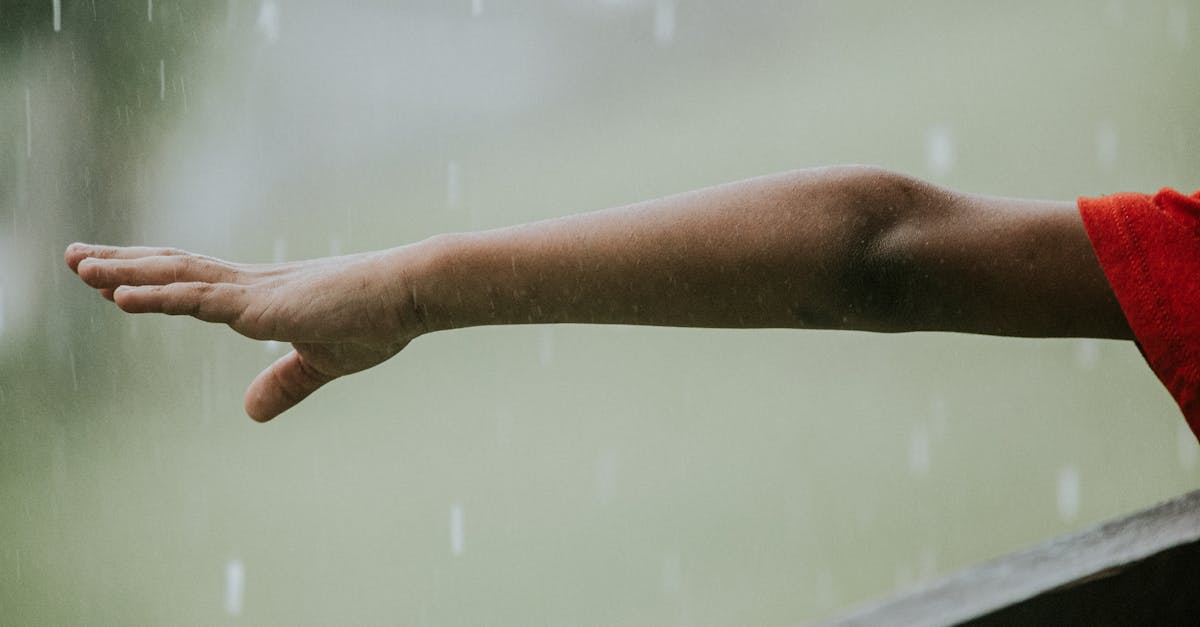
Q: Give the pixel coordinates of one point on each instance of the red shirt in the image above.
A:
(1149, 247)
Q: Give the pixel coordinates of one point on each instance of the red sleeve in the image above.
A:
(1149, 247)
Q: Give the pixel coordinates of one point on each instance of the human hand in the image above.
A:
(341, 314)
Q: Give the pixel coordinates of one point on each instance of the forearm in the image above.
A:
(776, 251)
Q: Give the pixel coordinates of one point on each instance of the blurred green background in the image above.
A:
(552, 475)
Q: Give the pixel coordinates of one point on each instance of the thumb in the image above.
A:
(283, 384)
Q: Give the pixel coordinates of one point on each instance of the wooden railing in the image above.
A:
(1143, 569)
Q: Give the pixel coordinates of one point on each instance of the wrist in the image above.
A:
(424, 285)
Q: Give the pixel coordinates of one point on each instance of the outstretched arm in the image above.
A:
(846, 247)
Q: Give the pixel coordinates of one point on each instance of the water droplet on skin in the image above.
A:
(456, 529)
(1068, 493)
(235, 582)
(939, 150)
(664, 22)
(1106, 145)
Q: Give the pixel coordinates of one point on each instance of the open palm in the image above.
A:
(339, 313)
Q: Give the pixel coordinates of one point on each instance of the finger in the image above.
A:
(153, 270)
(79, 251)
(107, 293)
(283, 384)
(210, 302)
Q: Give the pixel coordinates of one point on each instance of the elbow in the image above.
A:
(880, 209)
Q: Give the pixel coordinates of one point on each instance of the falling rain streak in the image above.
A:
(1068, 493)
(939, 150)
(28, 126)
(456, 529)
(162, 79)
(235, 583)
(453, 185)
(57, 15)
(664, 22)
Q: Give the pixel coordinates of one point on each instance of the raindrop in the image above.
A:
(1068, 493)
(74, 376)
(28, 125)
(937, 415)
(918, 452)
(149, 10)
(826, 595)
(664, 22)
(1115, 11)
(1, 310)
(183, 92)
(453, 185)
(271, 347)
(927, 566)
(1106, 145)
(268, 21)
(476, 8)
(1177, 24)
(335, 246)
(1186, 446)
(939, 150)
(235, 581)
(672, 574)
(903, 578)
(503, 427)
(279, 251)
(57, 15)
(206, 390)
(606, 475)
(1087, 354)
(456, 529)
(162, 79)
(546, 349)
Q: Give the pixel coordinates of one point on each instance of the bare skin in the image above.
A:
(846, 247)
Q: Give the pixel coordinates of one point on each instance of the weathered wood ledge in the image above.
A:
(1141, 569)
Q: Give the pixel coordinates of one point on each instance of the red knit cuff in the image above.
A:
(1149, 247)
